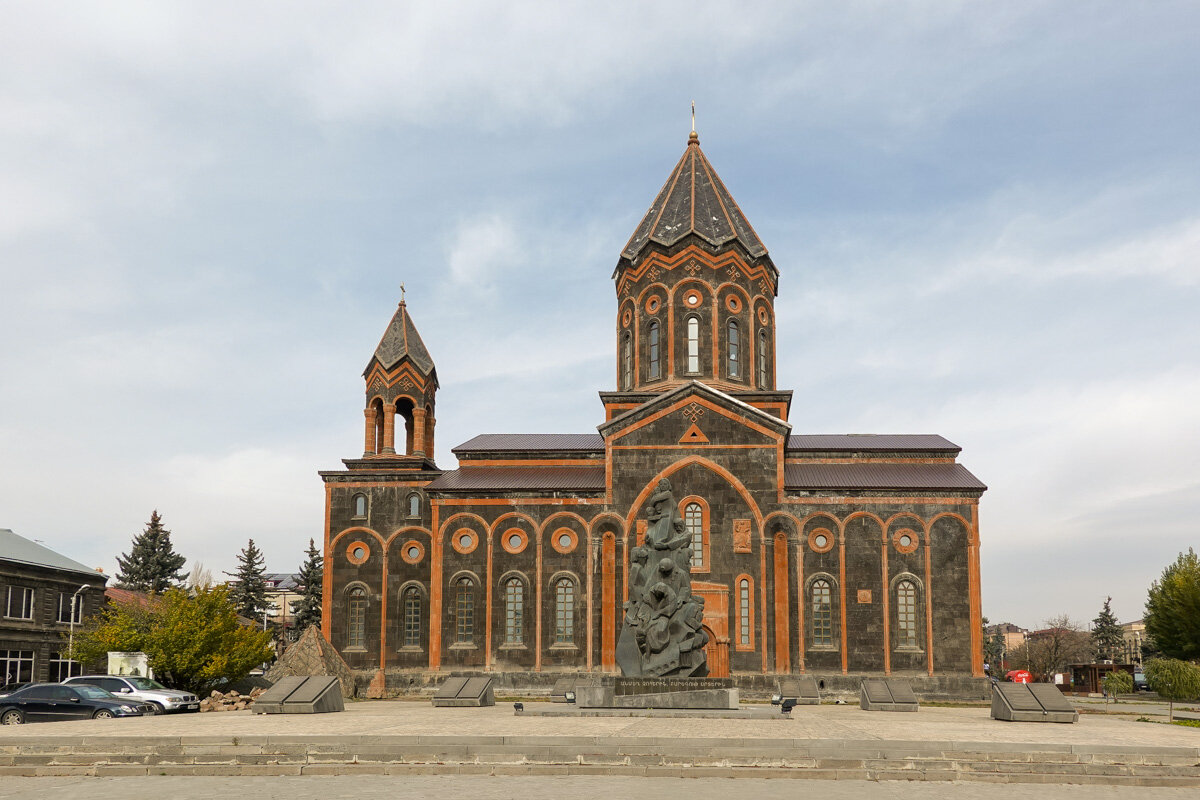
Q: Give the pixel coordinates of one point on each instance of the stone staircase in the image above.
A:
(828, 759)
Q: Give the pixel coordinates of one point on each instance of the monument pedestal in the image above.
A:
(675, 693)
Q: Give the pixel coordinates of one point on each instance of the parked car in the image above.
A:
(1139, 682)
(9, 688)
(46, 702)
(145, 690)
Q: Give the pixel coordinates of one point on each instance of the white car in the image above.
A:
(144, 689)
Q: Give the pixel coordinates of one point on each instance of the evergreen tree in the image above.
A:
(248, 590)
(307, 610)
(152, 565)
(1107, 635)
(1173, 609)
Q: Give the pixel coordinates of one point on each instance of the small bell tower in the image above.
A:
(401, 387)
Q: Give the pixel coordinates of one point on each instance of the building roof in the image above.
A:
(694, 201)
(125, 596)
(281, 581)
(520, 478)
(399, 340)
(489, 442)
(862, 442)
(20, 550)
(905, 477)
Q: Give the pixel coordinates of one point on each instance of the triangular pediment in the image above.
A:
(694, 415)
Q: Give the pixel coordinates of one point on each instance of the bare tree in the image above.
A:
(200, 577)
(1062, 642)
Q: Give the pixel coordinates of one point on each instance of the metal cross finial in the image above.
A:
(401, 292)
(693, 116)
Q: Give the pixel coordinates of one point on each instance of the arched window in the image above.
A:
(360, 505)
(414, 505)
(564, 611)
(356, 611)
(464, 611)
(655, 369)
(693, 344)
(627, 363)
(733, 348)
(514, 611)
(693, 518)
(762, 358)
(412, 617)
(906, 615)
(745, 617)
(822, 613)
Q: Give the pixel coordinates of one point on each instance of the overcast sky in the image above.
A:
(986, 219)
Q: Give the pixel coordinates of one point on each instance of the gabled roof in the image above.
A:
(533, 478)
(905, 477)
(693, 387)
(694, 201)
(20, 550)
(399, 340)
(865, 442)
(490, 442)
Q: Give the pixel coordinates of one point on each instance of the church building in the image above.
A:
(830, 555)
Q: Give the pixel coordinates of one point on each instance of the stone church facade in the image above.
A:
(831, 555)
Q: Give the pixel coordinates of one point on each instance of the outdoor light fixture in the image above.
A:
(570, 697)
(787, 706)
(518, 707)
(776, 699)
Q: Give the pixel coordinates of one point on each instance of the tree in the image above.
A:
(307, 610)
(1176, 680)
(993, 646)
(1117, 682)
(152, 564)
(1061, 643)
(193, 641)
(200, 577)
(1173, 609)
(1108, 637)
(249, 589)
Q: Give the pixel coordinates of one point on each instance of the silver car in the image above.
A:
(145, 690)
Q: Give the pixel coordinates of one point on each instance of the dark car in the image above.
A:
(9, 688)
(46, 702)
(1139, 682)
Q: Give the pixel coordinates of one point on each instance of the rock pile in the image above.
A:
(229, 701)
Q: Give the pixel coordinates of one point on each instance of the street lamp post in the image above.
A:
(71, 635)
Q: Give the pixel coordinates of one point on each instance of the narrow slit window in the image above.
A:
(733, 349)
(357, 612)
(360, 505)
(514, 611)
(464, 612)
(693, 344)
(693, 518)
(627, 363)
(414, 505)
(412, 617)
(906, 615)
(744, 613)
(655, 369)
(762, 359)
(822, 614)
(564, 611)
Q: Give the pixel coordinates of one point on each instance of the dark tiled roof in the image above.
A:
(527, 478)
(880, 476)
(871, 441)
(488, 442)
(694, 200)
(401, 339)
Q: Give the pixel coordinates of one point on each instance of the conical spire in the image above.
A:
(694, 201)
(399, 340)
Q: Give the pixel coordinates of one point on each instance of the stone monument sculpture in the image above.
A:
(663, 635)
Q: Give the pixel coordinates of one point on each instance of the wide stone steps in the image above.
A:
(546, 755)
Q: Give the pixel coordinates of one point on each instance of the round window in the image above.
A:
(360, 552)
(733, 303)
(692, 298)
(627, 318)
(820, 540)
(905, 540)
(514, 541)
(464, 541)
(564, 540)
(414, 552)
